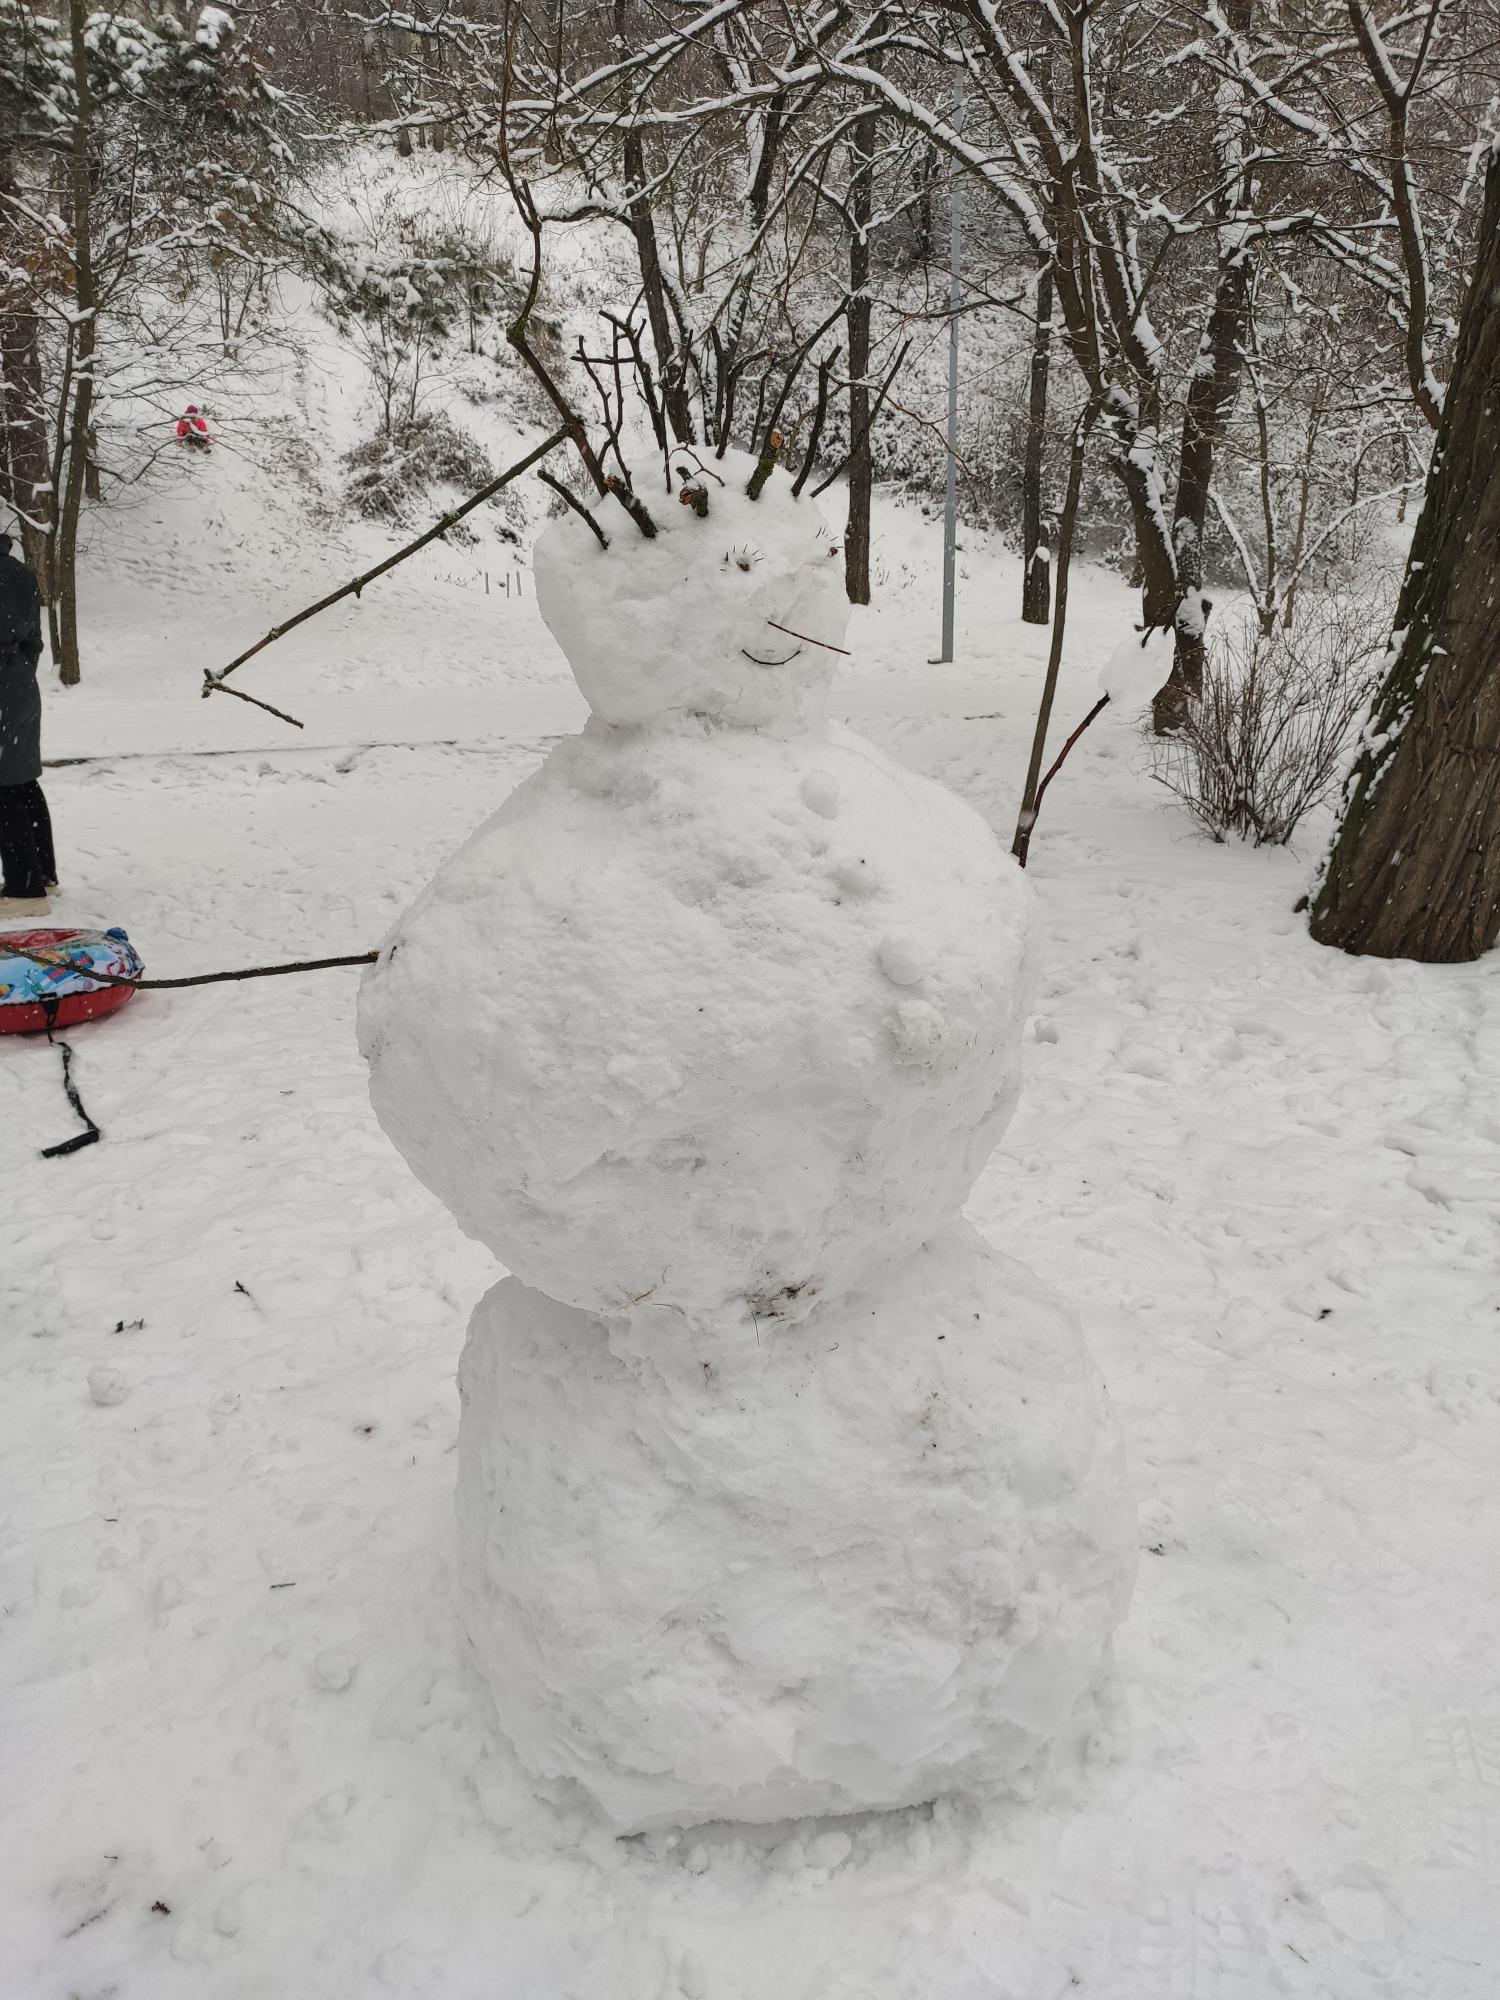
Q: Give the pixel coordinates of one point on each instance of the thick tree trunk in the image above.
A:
(1036, 572)
(1415, 867)
(861, 461)
(64, 578)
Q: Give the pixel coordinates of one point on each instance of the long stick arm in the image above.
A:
(214, 683)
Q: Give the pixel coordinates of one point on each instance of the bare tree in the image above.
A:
(124, 149)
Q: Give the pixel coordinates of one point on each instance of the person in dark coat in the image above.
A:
(27, 867)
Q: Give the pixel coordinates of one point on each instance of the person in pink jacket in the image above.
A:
(191, 428)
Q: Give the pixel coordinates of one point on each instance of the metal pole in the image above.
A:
(950, 512)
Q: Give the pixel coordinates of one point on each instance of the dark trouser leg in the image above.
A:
(25, 839)
(43, 821)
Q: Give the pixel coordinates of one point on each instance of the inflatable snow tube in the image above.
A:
(53, 988)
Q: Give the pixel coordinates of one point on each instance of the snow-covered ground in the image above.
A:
(243, 1753)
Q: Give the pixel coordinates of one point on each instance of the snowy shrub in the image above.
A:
(1265, 742)
(394, 468)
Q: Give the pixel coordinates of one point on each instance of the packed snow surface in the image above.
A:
(883, 1571)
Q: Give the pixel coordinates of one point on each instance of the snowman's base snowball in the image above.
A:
(886, 1569)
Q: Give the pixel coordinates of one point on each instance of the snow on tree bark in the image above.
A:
(1212, 389)
(26, 435)
(64, 579)
(1414, 871)
(1036, 560)
(861, 460)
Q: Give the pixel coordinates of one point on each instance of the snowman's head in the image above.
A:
(728, 613)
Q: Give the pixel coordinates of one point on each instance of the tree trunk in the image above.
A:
(1414, 871)
(926, 175)
(1020, 845)
(1304, 508)
(861, 460)
(26, 430)
(65, 580)
(670, 371)
(1036, 572)
(1211, 396)
(1154, 571)
(671, 361)
(23, 417)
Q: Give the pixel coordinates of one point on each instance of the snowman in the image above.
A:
(780, 1491)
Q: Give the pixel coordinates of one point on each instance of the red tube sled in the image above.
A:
(53, 988)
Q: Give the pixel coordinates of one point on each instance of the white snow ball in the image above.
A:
(820, 794)
(890, 1573)
(644, 1046)
(333, 1669)
(108, 1385)
(729, 615)
(900, 960)
(1137, 668)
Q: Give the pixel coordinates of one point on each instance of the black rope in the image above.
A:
(80, 1139)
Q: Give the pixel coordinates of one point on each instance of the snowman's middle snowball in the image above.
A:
(737, 1022)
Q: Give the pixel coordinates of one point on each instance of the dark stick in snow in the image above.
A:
(58, 957)
(824, 643)
(1031, 797)
(1061, 758)
(576, 505)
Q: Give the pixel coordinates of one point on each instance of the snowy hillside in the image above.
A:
(245, 1753)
